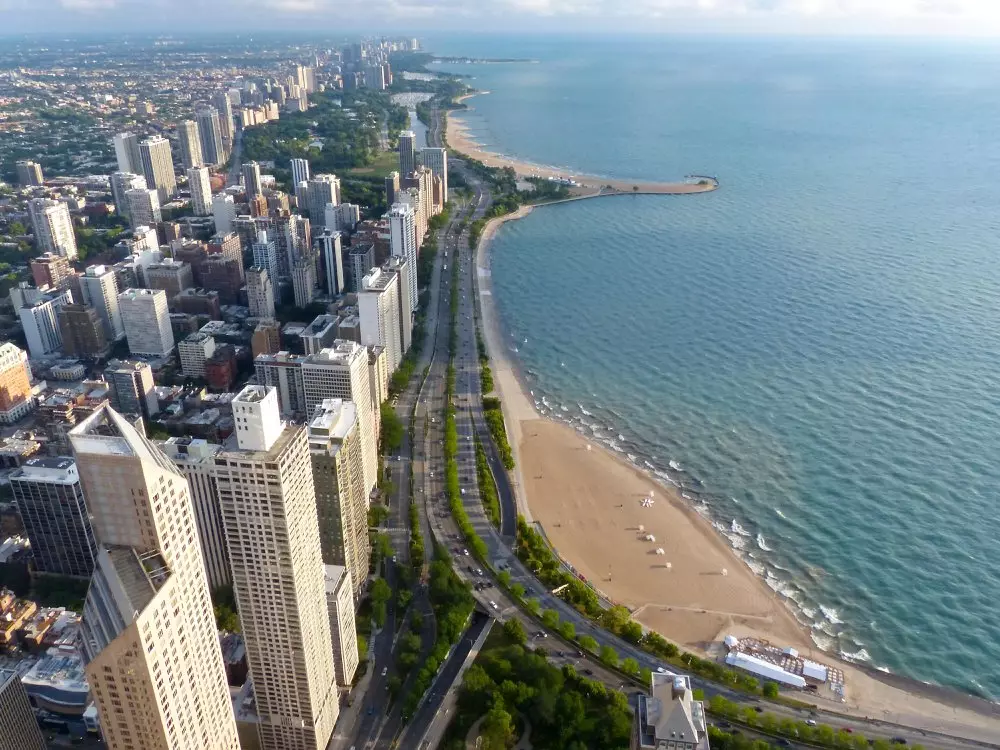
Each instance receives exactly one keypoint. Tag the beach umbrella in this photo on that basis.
(588, 446)
(725, 572)
(668, 566)
(641, 528)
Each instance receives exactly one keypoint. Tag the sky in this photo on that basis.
(867, 17)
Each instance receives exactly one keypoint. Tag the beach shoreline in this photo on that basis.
(586, 499)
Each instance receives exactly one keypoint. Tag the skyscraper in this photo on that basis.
(148, 632)
(378, 307)
(333, 261)
(121, 183)
(224, 106)
(300, 171)
(127, 153)
(131, 388)
(391, 188)
(147, 322)
(407, 152)
(53, 227)
(340, 605)
(39, 314)
(338, 474)
(82, 332)
(402, 267)
(158, 167)
(251, 179)
(189, 144)
(143, 207)
(260, 293)
(29, 173)
(201, 191)
(50, 501)
(224, 212)
(99, 289)
(51, 270)
(15, 384)
(278, 576)
(341, 371)
(18, 726)
(210, 132)
(403, 239)
(324, 190)
(436, 159)
(265, 254)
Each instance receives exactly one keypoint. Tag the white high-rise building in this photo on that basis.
(154, 665)
(340, 606)
(269, 510)
(189, 144)
(127, 153)
(224, 106)
(143, 207)
(158, 167)
(407, 153)
(210, 132)
(323, 190)
(338, 473)
(224, 212)
(402, 267)
(341, 371)
(300, 171)
(121, 183)
(147, 322)
(99, 289)
(378, 308)
(193, 351)
(195, 458)
(39, 314)
(436, 159)
(343, 217)
(403, 241)
(201, 191)
(260, 293)
(333, 261)
(53, 227)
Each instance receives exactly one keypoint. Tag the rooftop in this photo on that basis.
(59, 470)
(332, 418)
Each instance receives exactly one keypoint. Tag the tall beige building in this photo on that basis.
(154, 664)
(18, 727)
(341, 371)
(269, 511)
(340, 607)
(335, 447)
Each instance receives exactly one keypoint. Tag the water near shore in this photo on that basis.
(816, 345)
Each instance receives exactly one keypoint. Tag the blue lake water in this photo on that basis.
(818, 342)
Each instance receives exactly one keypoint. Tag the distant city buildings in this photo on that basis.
(403, 238)
(147, 322)
(251, 180)
(53, 227)
(407, 152)
(224, 212)
(436, 159)
(189, 144)
(38, 311)
(210, 133)
(121, 184)
(300, 171)
(127, 153)
(158, 167)
(201, 191)
(143, 207)
(99, 290)
(29, 173)
(260, 293)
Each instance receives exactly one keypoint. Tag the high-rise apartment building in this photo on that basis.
(18, 726)
(210, 132)
(341, 371)
(422, 180)
(50, 500)
(147, 322)
(39, 314)
(99, 289)
(121, 183)
(300, 171)
(360, 260)
(127, 153)
(333, 261)
(131, 387)
(158, 167)
(201, 191)
(224, 212)
(343, 217)
(143, 208)
(269, 510)
(403, 239)
(172, 276)
(29, 173)
(224, 106)
(53, 227)
(407, 153)
(303, 281)
(251, 179)
(148, 633)
(436, 159)
(260, 293)
(391, 188)
(15, 384)
(82, 332)
(51, 270)
(341, 501)
(195, 459)
(189, 144)
(323, 190)
(265, 254)
(340, 607)
(378, 308)
(283, 371)
(194, 351)
(402, 267)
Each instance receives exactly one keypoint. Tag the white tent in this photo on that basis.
(764, 669)
(814, 671)
(790, 652)
(730, 641)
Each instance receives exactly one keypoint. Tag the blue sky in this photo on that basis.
(924, 17)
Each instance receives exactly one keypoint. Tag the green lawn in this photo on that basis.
(385, 162)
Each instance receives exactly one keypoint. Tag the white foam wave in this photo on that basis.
(648, 465)
(632, 457)
(857, 656)
(584, 411)
(674, 465)
(621, 437)
(755, 566)
(780, 514)
(832, 615)
(737, 529)
(762, 543)
(822, 641)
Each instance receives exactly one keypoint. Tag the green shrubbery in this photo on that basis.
(487, 487)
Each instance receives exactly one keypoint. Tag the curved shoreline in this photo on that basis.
(892, 697)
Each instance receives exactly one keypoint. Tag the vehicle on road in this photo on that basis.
(385, 671)
(811, 722)
(465, 552)
(661, 670)
(494, 604)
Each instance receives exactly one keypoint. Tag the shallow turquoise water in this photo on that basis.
(817, 343)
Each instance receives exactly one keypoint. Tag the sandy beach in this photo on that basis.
(587, 501)
(458, 138)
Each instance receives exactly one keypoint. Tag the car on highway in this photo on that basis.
(811, 722)
(465, 552)
(661, 670)
(385, 671)
(494, 604)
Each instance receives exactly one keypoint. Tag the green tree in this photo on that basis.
(587, 643)
(631, 631)
(533, 606)
(609, 656)
(377, 515)
(517, 590)
(615, 618)
(380, 595)
(770, 689)
(362, 647)
(630, 665)
(392, 429)
(550, 618)
(515, 631)
(567, 630)
(504, 577)
(497, 729)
